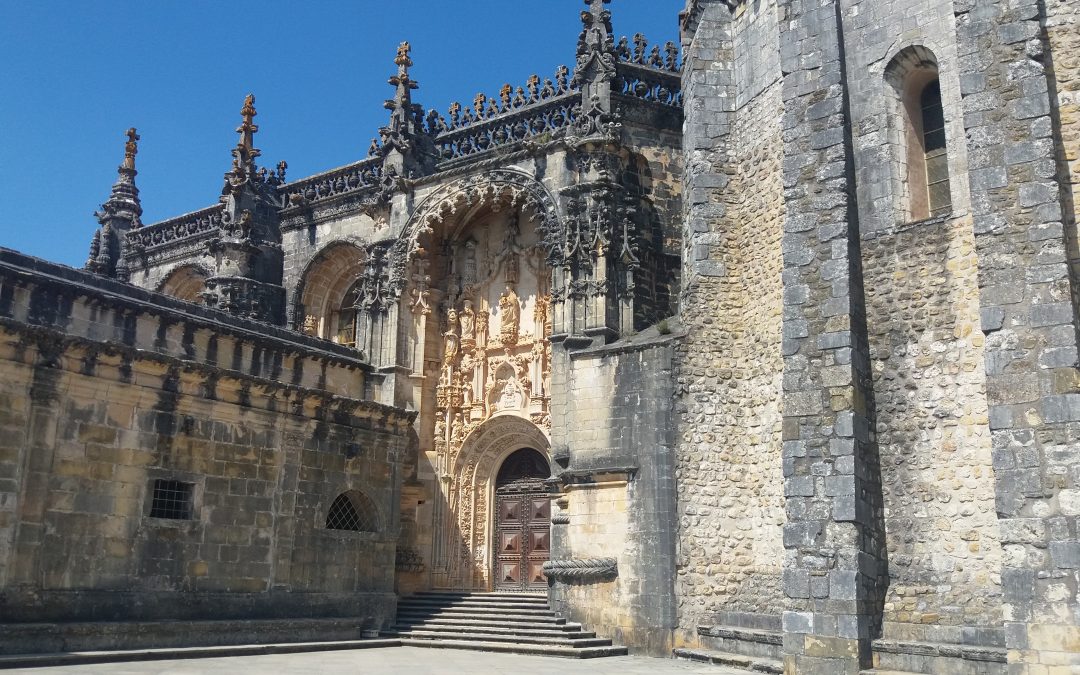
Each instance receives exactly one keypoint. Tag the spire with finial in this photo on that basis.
(122, 212)
(245, 152)
(401, 105)
(595, 67)
(403, 141)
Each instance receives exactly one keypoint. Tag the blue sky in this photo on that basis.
(75, 74)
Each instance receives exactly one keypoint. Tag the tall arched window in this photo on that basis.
(934, 149)
(922, 176)
(344, 319)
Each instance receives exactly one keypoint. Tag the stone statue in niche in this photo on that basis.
(457, 430)
(311, 325)
(510, 310)
(450, 350)
(468, 274)
(468, 323)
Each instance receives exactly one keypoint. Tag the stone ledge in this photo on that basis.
(942, 650)
(25, 639)
(127, 656)
(744, 634)
(731, 660)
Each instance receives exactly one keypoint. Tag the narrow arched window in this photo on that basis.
(352, 511)
(934, 149)
(919, 133)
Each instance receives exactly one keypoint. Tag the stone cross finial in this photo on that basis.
(403, 58)
(131, 148)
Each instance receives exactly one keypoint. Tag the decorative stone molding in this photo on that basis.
(590, 569)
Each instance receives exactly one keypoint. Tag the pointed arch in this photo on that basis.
(186, 283)
(503, 188)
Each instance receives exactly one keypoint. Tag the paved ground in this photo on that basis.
(398, 661)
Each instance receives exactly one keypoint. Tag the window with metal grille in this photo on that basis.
(937, 159)
(172, 500)
(352, 511)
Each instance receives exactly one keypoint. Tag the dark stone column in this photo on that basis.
(835, 568)
(1030, 321)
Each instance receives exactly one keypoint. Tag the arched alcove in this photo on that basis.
(324, 288)
(185, 283)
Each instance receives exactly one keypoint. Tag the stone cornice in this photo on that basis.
(291, 395)
(74, 283)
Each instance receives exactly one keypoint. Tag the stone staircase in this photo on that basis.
(517, 623)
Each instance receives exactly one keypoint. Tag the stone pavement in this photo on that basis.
(396, 660)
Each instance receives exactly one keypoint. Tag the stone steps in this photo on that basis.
(520, 648)
(480, 619)
(489, 630)
(494, 622)
(729, 660)
(498, 637)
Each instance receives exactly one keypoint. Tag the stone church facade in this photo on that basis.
(763, 343)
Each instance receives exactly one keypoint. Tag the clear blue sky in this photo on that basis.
(75, 74)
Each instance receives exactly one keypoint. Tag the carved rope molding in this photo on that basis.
(597, 569)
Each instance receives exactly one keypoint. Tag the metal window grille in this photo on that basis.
(352, 511)
(172, 499)
(937, 160)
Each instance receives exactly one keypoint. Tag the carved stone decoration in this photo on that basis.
(486, 242)
(583, 569)
(510, 317)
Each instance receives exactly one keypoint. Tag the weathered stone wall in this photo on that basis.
(1063, 32)
(106, 389)
(933, 434)
(1027, 301)
(613, 434)
(875, 32)
(730, 484)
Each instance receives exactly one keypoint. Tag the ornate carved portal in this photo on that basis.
(480, 295)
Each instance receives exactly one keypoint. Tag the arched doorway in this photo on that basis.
(522, 522)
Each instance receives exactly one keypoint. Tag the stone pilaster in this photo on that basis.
(1029, 318)
(834, 536)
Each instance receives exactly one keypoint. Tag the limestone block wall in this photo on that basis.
(1063, 33)
(926, 353)
(612, 434)
(730, 481)
(106, 389)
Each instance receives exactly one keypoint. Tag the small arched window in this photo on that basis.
(352, 511)
(923, 185)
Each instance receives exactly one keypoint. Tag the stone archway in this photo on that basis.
(466, 550)
(332, 272)
(521, 535)
(185, 283)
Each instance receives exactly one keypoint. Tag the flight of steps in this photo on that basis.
(518, 623)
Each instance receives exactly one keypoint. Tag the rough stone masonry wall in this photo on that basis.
(105, 389)
(1063, 31)
(731, 504)
(1028, 314)
(933, 434)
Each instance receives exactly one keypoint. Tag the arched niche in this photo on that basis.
(472, 476)
(185, 283)
(324, 287)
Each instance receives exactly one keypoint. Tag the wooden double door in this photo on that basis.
(523, 537)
